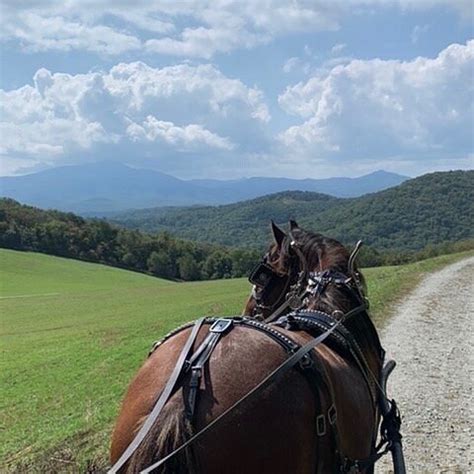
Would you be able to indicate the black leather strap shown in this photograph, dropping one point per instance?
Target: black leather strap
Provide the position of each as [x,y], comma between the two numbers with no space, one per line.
[199,359]
[165,394]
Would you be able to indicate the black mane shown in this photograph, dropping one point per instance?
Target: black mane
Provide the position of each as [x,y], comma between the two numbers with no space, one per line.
[324,253]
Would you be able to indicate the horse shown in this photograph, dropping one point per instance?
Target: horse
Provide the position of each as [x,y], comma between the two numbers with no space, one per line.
[322,415]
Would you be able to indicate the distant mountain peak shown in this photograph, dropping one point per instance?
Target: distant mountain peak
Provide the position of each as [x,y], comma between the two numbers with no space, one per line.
[386,173]
[106,186]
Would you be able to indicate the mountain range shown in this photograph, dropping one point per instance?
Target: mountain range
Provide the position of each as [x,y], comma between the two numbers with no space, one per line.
[431,209]
[100,188]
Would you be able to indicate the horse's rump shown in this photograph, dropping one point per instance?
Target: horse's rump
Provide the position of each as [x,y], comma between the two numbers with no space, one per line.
[269,434]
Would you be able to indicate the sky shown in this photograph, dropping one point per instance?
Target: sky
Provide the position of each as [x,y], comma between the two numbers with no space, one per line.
[228,89]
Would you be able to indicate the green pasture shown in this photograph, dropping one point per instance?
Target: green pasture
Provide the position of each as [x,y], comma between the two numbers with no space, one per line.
[72,334]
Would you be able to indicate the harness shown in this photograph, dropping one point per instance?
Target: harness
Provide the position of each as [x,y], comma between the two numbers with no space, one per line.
[324,328]
[301,357]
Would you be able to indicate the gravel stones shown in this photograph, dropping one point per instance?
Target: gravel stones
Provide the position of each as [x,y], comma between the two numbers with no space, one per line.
[431,338]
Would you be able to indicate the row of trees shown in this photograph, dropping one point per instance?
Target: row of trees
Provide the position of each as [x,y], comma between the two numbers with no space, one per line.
[371,257]
[67,235]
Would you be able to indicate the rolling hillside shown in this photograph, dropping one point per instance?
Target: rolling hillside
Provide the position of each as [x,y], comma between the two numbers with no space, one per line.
[72,334]
[431,209]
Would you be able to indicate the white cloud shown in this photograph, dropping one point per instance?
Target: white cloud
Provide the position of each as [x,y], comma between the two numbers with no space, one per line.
[185,138]
[192,29]
[291,64]
[417,32]
[184,90]
[144,110]
[56,33]
[205,42]
[373,109]
[107,27]
[338,48]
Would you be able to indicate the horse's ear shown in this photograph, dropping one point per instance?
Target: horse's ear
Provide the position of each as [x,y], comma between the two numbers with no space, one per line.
[293,224]
[278,234]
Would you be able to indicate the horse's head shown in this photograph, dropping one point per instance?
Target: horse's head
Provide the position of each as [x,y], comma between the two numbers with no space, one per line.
[305,270]
[291,262]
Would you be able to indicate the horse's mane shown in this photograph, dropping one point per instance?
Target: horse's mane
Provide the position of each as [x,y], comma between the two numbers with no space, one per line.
[323,253]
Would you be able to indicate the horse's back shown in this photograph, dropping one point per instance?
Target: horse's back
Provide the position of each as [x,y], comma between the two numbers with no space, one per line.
[271,432]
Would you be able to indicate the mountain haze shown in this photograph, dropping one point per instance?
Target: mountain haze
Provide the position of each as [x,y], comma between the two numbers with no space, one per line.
[248,188]
[107,187]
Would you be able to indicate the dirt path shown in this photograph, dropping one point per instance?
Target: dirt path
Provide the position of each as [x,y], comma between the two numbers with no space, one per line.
[431,338]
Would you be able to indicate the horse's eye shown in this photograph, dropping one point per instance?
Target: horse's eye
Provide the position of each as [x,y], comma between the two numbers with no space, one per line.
[274,257]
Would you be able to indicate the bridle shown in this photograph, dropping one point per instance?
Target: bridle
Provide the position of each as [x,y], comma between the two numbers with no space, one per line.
[308,285]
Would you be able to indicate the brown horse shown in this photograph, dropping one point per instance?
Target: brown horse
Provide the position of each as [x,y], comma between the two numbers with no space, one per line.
[278,432]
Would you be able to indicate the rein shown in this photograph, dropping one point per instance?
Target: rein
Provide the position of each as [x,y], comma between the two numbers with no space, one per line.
[180,369]
[164,397]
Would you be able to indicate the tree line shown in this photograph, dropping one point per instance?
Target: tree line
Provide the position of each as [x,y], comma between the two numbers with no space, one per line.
[68,235]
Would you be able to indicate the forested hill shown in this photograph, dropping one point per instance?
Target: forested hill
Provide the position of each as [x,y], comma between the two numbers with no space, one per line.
[428,210]
[67,235]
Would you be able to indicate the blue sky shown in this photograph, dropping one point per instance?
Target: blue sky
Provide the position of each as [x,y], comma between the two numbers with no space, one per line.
[228,89]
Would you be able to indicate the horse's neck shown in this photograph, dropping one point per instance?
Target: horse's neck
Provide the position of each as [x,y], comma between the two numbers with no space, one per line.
[365,333]
[359,325]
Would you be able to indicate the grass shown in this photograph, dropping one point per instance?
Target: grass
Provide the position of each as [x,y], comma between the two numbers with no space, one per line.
[72,334]
[388,285]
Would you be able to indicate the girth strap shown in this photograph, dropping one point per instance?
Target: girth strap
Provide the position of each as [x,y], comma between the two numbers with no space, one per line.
[165,394]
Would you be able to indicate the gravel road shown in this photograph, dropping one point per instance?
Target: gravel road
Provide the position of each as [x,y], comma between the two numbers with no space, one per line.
[431,338]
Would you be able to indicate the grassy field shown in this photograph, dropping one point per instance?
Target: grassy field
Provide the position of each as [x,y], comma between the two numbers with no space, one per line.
[72,334]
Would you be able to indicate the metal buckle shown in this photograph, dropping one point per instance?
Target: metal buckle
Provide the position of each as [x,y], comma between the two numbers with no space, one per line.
[221,326]
[320,425]
[332,414]
[306,362]
[354,469]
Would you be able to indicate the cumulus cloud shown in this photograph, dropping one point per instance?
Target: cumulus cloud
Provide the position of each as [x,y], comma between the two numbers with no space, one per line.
[160,26]
[131,107]
[185,138]
[373,109]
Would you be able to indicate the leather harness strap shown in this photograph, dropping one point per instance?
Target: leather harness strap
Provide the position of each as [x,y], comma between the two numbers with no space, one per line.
[165,394]
[313,320]
[199,358]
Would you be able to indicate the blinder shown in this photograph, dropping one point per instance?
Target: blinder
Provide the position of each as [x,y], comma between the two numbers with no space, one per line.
[264,277]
